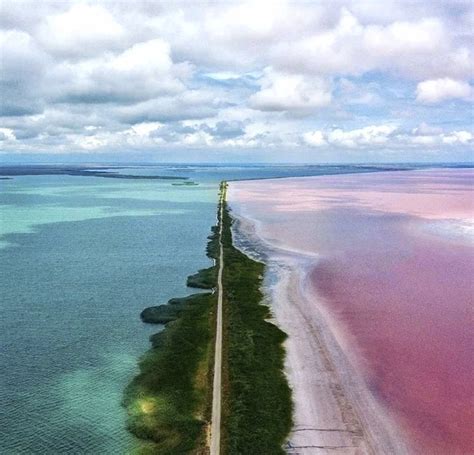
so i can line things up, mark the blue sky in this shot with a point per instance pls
(307, 81)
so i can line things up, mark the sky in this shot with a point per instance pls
(257, 81)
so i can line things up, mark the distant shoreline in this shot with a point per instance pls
(79, 171)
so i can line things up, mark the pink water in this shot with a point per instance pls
(396, 272)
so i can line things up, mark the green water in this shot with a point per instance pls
(80, 258)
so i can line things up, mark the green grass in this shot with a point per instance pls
(257, 414)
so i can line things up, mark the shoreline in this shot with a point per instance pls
(334, 411)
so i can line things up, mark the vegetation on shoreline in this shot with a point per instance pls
(203, 279)
(257, 413)
(168, 402)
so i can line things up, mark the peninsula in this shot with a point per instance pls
(171, 404)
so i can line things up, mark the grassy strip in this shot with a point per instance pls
(257, 412)
(168, 402)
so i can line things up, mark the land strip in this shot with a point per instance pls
(215, 445)
(213, 381)
(256, 398)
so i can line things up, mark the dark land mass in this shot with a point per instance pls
(79, 171)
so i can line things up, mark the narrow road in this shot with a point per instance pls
(216, 392)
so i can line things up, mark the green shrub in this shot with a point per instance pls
(258, 406)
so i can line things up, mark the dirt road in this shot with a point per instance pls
(216, 392)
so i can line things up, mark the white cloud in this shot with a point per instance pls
(89, 142)
(314, 138)
(119, 75)
(423, 129)
(453, 138)
(366, 136)
(145, 128)
(372, 135)
(290, 92)
(84, 29)
(143, 71)
(458, 137)
(418, 48)
(386, 136)
(223, 76)
(438, 90)
(190, 104)
(7, 134)
(198, 138)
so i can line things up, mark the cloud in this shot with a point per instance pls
(190, 104)
(412, 48)
(22, 67)
(353, 93)
(270, 76)
(82, 30)
(438, 90)
(141, 72)
(386, 137)
(458, 137)
(314, 138)
(7, 134)
(290, 92)
(367, 136)
(423, 129)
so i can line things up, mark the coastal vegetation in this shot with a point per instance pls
(168, 401)
(203, 279)
(257, 413)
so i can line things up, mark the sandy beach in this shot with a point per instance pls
(334, 411)
(354, 387)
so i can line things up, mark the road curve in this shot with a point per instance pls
(215, 445)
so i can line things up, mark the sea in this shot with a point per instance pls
(80, 257)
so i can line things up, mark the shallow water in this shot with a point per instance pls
(81, 258)
(395, 271)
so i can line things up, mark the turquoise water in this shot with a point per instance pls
(80, 258)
